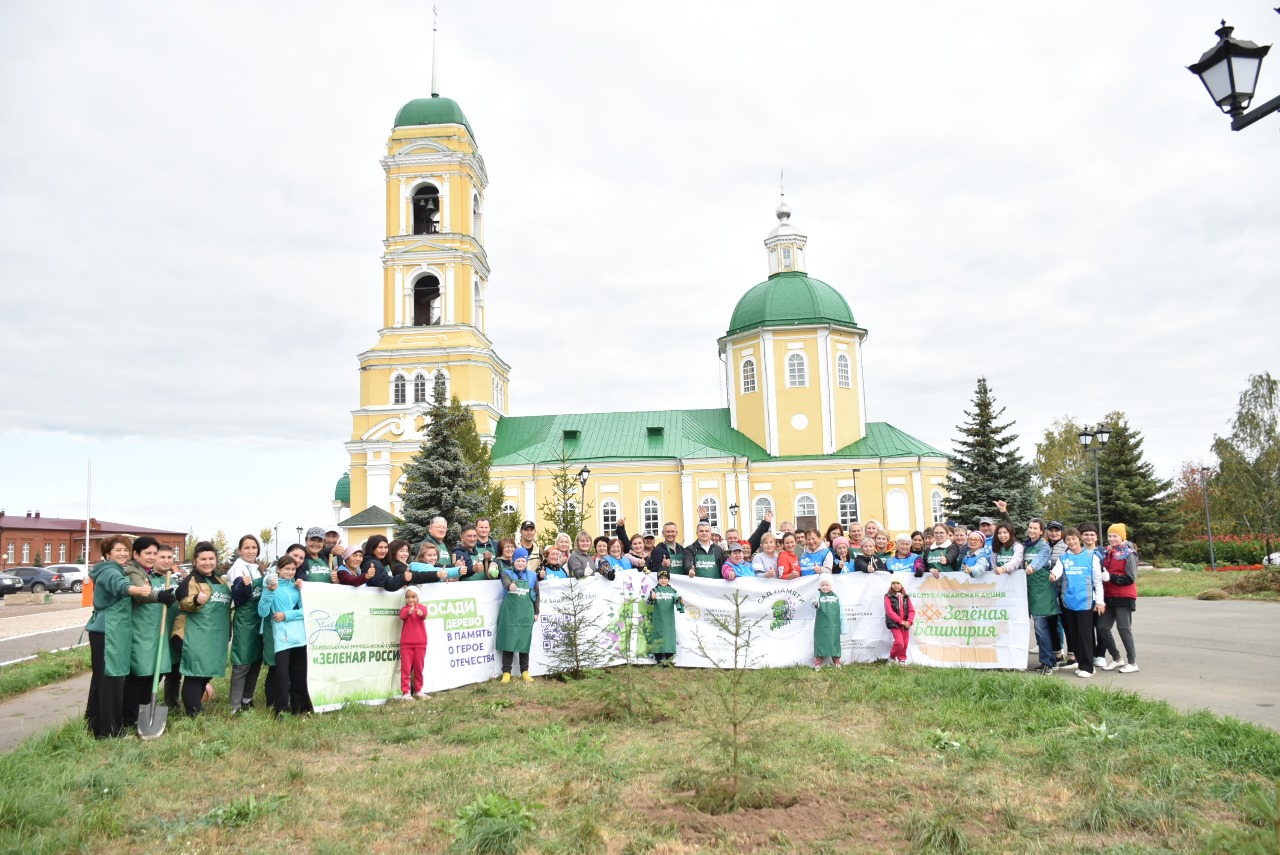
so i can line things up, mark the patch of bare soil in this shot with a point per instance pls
(805, 821)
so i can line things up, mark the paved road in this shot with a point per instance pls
(1223, 655)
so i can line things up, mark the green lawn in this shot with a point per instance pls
(46, 668)
(1188, 583)
(865, 758)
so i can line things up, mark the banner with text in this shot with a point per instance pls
(354, 633)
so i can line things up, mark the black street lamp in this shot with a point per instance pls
(299, 540)
(1102, 433)
(1229, 71)
(733, 512)
(1208, 523)
(583, 474)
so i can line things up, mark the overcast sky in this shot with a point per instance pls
(191, 210)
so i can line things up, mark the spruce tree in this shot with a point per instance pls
(1130, 491)
(561, 509)
(489, 496)
(438, 481)
(987, 466)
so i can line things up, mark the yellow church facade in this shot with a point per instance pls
(794, 437)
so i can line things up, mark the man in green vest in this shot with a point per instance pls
(703, 558)
(667, 554)
(436, 530)
(1042, 595)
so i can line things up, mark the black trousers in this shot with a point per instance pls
(173, 680)
(1079, 626)
(662, 658)
(291, 682)
(137, 691)
(521, 661)
(193, 694)
(269, 686)
(105, 708)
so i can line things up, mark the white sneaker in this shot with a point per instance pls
(817, 667)
(1085, 674)
(1110, 667)
(1129, 669)
(423, 695)
(406, 697)
(1099, 662)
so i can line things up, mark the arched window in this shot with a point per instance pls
(397, 389)
(426, 210)
(477, 219)
(786, 258)
(748, 376)
(806, 512)
(478, 314)
(419, 388)
(761, 506)
(509, 507)
(796, 374)
(897, 517)
(847, 506)
(713, 510)
(426, 301)
(844, 378)
(499, 396)
(935, 506)
(608, 517)
(650, 516)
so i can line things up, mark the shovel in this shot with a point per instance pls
(152, 716)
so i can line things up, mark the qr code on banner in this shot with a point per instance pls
(552, 630)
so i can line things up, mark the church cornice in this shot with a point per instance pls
(436, 354)
(419, 161)
(416, 255)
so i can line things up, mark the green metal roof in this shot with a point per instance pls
(432, 111)
(663, 434)
(790, 299)
(370, 517)
(342, 490)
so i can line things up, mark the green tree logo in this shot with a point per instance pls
(345, 626)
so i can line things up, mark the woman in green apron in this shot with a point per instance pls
(203, 625)
(317, 568)
(245, 579)
(826, 625)
(662, 623)
(110, 631)
(149, 610)
(517, 614)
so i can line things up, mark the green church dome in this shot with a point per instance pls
(432, 111)
(342, 490)
(790, 299)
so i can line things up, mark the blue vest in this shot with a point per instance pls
(1077, 580)
(901, 565)
(972, 558)
(740, 570)
(812, 562)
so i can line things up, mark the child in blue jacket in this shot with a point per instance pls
(281, 608)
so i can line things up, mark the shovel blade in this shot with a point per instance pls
(151, 719)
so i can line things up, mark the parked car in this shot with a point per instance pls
(37, 580)
(9, 584)
(75, 574)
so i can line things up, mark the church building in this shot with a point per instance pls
(794, 437)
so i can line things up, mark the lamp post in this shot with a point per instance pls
(733, 513)
(1229, 71)
(1208, 523)
(277, 540)
(583, 474)
(1101, 433)
(299, 540)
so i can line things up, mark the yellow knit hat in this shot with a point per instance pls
(1118, 528)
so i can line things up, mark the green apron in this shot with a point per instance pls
(515, 620)
(246, 644)
(704, 565)
(204, 649)
(113, 616)
(146, 635)
(933, 558)
(317, 570)
(1042, 595)
(269, 638)
(1001, 557)
(662, 626)
(826, 627)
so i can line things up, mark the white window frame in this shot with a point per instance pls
(653, 504)
(788, 258)
(609, 512)
(48, 553)
(477, 316)
(62, 553)
(897, 496)
(797, 379)
(843, 518)
(759, 507)
(936, 511)
(803, 497)
(712, 504)
(844, 376)
(509, 507)
(748, 378)
(403, 390)
(9, 557)
(26, 553)
(420, 381)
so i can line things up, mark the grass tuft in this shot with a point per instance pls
(492, 825)
(939, 833)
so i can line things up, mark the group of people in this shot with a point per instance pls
(146, 621)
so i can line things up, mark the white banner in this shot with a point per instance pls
(354, 633)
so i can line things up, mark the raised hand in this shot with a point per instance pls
(1001, 505)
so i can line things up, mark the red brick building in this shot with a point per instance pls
(54, 540)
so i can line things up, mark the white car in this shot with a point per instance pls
(75, 575)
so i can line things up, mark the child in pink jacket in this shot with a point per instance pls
(413, 646)
(899, 615)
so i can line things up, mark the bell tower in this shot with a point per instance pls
(435, 281)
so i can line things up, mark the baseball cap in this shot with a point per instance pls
(986, 521)
(315, 531)
(1054, 524)
(736, 546)
(527, 524)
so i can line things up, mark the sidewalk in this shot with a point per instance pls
(27, 715)
(48, 621)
